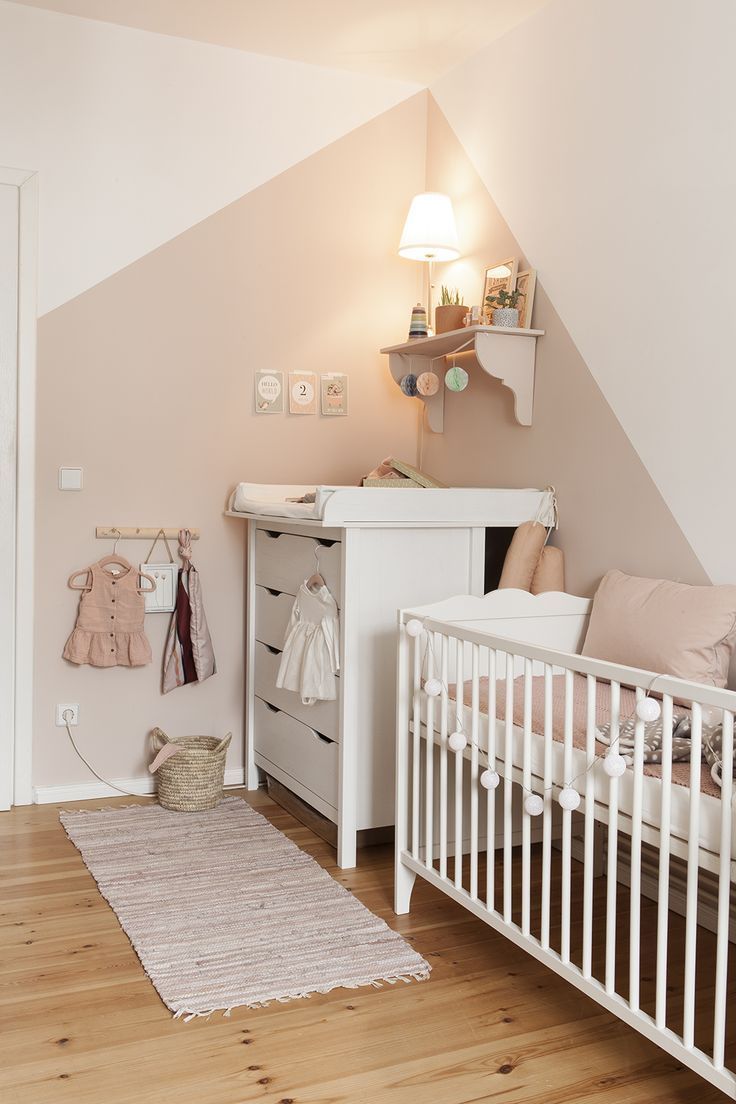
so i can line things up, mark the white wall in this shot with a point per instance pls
(605, 135)
(138, 136)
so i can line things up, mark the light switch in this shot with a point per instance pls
(71, 479)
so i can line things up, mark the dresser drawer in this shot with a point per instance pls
(323, 715)
(285, 560)
(305, 756)
(273, 611)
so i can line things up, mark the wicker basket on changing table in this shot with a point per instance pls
(191, 771)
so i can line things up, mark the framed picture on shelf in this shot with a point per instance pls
(500, 276)
(526, 282)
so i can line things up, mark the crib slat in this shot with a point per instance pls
(612, 862)
(589, 836)
(693, 854)
(635, 862)
(526, 828)
(663, 891)
(547, 814)
(443, 759)
(474, 740)
(416, 745)
(567, 817)
(724, 893)
(459, 699)
(508, 790)
(429, 760)
(491, 793)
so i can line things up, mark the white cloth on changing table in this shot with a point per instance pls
(310, 658)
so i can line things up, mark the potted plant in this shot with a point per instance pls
(505, 304)
(450, 312)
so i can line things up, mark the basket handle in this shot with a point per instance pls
(224, 743)
(166, 747)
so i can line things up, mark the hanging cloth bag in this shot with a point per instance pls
(188, 655)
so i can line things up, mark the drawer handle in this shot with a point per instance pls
(273, 593)
(324, 739)
(325, 542)
(274, 534)
(273, 708)
(272, 650)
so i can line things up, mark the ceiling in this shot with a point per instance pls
(414, 40)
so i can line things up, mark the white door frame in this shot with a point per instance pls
(20, 752)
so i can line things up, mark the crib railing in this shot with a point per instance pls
(500, 807)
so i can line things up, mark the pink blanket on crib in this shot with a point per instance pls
(680, 771)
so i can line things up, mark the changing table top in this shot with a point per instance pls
(400, 507)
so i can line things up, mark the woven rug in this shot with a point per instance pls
(224, 911)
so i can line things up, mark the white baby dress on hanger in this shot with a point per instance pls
(310, 659)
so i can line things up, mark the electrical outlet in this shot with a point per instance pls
(62, 709)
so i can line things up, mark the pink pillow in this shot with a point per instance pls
(669, 628)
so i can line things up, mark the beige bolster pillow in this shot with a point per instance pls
(550, 573)
(523, 556)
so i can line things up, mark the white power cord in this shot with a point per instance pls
(68, 716)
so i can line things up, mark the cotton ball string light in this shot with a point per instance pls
(414, 627)
(534, 805)
(457, 742)
(569, 798)
(408, 384)
(648, 710)
(489, 779)
(433, 688)
(614, 765)
(711, 716)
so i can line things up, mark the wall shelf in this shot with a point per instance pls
(504, 353)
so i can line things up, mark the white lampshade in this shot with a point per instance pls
(430, 233)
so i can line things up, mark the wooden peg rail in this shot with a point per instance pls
(128, 532)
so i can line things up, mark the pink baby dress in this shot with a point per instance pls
(109, 629)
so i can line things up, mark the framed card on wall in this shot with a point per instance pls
(269, 392)
(302, 392)
(334, 389)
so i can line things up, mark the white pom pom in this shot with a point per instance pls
(414, 627)
(534, 805)
(614, 765)
(569, 798)
(648, 709)
(489, 780)
(433, 688)
(457, 742)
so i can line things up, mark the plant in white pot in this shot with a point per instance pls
(505, 304)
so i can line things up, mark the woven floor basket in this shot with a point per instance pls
(191, 771)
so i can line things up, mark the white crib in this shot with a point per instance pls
(652, 838)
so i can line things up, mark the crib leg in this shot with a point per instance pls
(403, 885)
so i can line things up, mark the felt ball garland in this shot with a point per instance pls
(614, 764)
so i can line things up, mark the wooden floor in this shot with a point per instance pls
(81, 1023)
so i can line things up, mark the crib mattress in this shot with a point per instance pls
(680, 771)
(710, 804)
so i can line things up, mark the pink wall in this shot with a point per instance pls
(146, 381)
(612, 515)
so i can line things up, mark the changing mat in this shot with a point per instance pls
(273, 500)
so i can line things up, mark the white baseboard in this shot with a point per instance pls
(89, 791)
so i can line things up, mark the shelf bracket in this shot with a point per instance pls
(510, 359)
